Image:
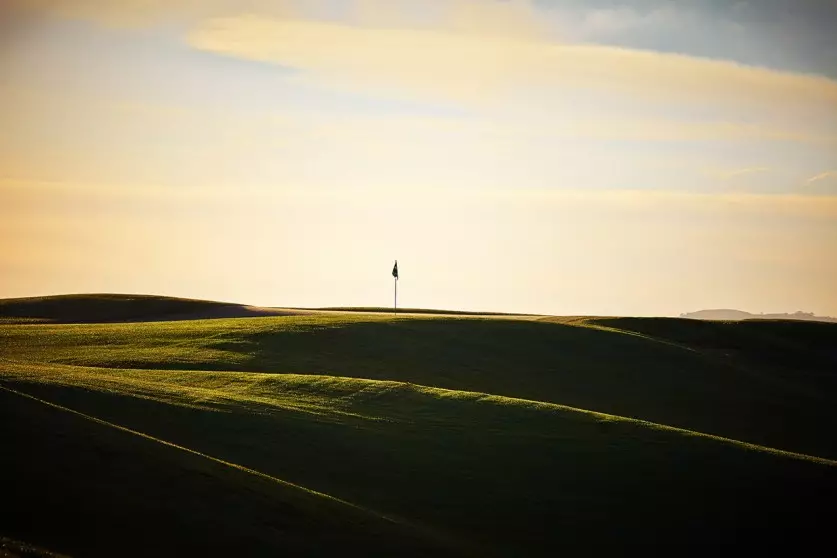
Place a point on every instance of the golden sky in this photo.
(560, 157)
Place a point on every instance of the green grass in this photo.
(108, 308)
(761, 382)
(365, 434)
(387, 310)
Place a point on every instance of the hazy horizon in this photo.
(552, 157)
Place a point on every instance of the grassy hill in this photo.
(380, 309)
(364, 434)
(106, 308)
(727, 314)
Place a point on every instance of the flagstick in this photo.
(395, 305)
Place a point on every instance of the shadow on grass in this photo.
(699, 385)
(511, 480)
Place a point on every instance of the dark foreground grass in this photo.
(10, 548)
(95, 490)
(416, 471)
(369, 436)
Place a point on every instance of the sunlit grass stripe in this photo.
(651, 425)
(475, 396)
(209, 457)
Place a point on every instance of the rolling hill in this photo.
(109, 308)
(730, 315)
(328, 433)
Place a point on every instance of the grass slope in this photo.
(95, 490)
(110, 308)
(370, 435)
(380, 309)
(768, 383)
(463, 473)
(105, 308)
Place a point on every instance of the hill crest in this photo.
(114, 308)
(727, 314)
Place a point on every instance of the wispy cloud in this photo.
(515, 17)
(597, 23)
(731, 174)
(33, 195)
(134, 13)
(287, 147)
(476, 63)
(822, 176)
(455, 65)
(462, 50)
(662, 129)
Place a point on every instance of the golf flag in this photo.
(395, 270)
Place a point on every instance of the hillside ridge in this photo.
(728, 314)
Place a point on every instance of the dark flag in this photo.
(395, 270)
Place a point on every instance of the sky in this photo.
(645, 157)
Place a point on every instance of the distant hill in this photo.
(736, 315)
(110, 308)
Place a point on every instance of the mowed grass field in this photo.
(364, 434)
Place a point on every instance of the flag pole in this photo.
(395, 276)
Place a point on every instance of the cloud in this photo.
(451, 49)
(822, 176)
(136, 13)
(822, 184)
(735, 173)
(598, 23)
(24, 201)
(740, 203)
(661, 129)
(510, 17)
(789, 34)
(289, 147)
(477, 64)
